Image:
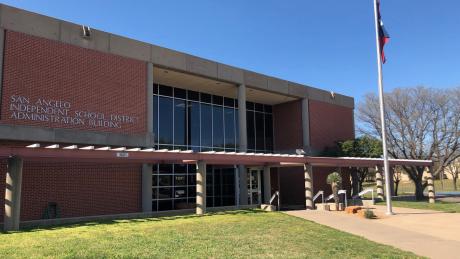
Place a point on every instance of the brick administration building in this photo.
(97, 104)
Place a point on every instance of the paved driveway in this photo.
(424, 232)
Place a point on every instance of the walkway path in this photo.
(424, 232)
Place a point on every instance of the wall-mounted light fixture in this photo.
(332, 95)
(86, 31)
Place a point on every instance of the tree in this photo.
(334, 179)
(454, 170)
(364, 146)
(422, 123)
(397, 176)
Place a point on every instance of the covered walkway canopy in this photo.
(148, 156)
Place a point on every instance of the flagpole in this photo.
(382, 113)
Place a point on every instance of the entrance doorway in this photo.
(254, 186)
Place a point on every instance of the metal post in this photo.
(382, 114)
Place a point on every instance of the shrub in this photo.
(334, 179)
(369, 214)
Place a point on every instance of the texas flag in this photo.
(383, 35)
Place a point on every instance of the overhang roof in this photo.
(138, 155)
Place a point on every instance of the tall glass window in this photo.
(155, 117)
(229, 118)
(260, 133)
(259, 127)
(218, 126)
(180, 119)
(173, 187)
(165, 115)
(186, 119)
(194, 124)
(251, 134)
(206, 125)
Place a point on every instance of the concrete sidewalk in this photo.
(424, 232)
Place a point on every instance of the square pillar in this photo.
(150, 136)
(243, 145)
(308, 172)
(243, 136)
(267, 185)
(200, 188)
(306, 126)
(13, 194)
(147, 187)
(243, 185)
(430, 186)
(379, 183)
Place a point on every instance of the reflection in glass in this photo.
(218, 126)
(229, 117)
(165, 115)
(194, 123)
(179, 122)
(260, 138)
(268, 132)
(250, 129)
(155, 117)
(206, 125)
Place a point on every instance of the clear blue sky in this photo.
(328, 44)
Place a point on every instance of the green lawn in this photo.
(408, 188)
(249, 233)
(445, 185)
(439, 205)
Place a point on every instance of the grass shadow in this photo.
(134, 220)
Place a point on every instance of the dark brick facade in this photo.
(79, 189)
(89, 80)
(328, 123)
(100, 82)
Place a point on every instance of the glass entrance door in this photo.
(254, 188)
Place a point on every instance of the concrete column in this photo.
(243, 141)
(243, 144)
(267, 185)
(200, 188)
(243, 184)
(308, 172)
(305, 126)
(430, 182)
(379, 183)
(150, 134)
(146, 187)
(13, 194)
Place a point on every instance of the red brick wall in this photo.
(287, 126)
(2, 187)
(89, 80)
(79, 189)
(328, 123)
